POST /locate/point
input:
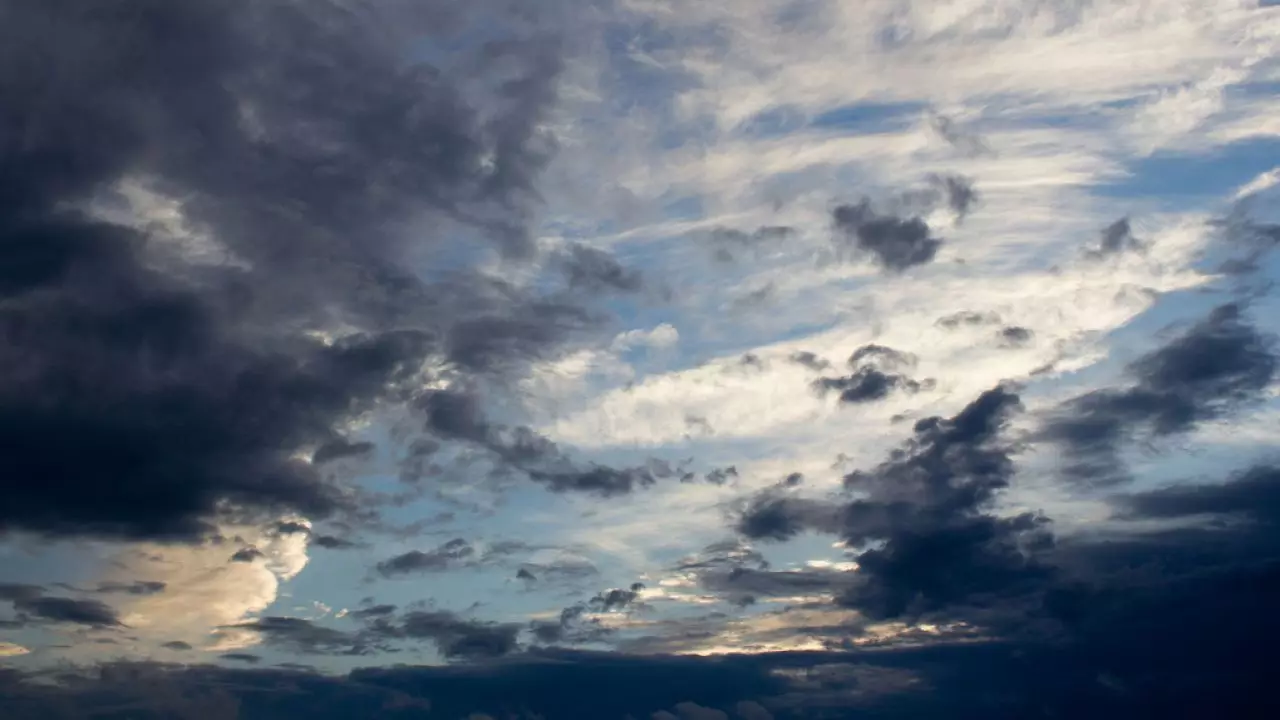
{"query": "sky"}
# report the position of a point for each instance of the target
(646, 359)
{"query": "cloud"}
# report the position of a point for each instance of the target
(1116, 238)
(373, 611)
(247, 555)
(921, 534)
(809, 360)
(275, 310)
(867, 384)
(32, 605)
(458, 638)
(139, 587)
(202, 590)
(299, 635)
(330, 542)
(593, 269)
(8, 649)
(457, 415)
(872, 378)
(1217, 364)
(1253, 495)
(967, 318)
(727, 243)
(340, 448)
(446, 557)
(896, 244)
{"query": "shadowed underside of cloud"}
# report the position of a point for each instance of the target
(157, 372)
(1211, 368)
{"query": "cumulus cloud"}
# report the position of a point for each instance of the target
(199, 589)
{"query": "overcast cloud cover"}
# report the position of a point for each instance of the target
(639, 359)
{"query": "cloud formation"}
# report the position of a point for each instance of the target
(894, 243)
(1208, 370)
(162, 370)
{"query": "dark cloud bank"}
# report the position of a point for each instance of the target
(1171, 614)
(154, 378)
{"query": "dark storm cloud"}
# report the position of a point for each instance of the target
(138, 587)
(1175, 621)
(589, 268)
(248, 658)
(1214, 366)
(1251, 495)
(448, 556)
(554, 685)
(970, 681)
(142, 390)
(176, 645)
(895, 243)
(920, 527)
